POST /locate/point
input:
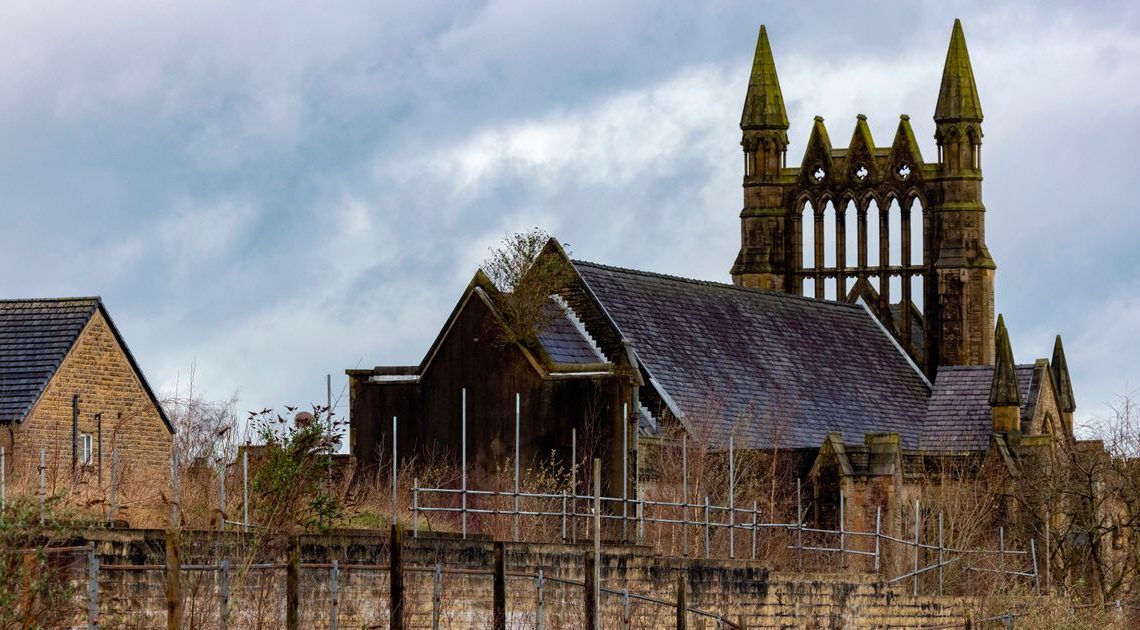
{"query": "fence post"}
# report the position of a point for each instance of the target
(755, 521)
(396, 579)
(463, 464)
(625, 609)
(799, 525)
(293, 585)
(3, 481)
(436, 595)
(708, 537)
(842, 528)
(731, 500)
(591, 594)
(245, 489)
(682, 620)
(92, 589)
(1033, 554)
(640, 515)
(878, 540)
(415, 507)
(1001, 552)
(916, 548)
(573, 485)
(518, 421)
(685, 494)
(941, 583)
(595, 594)
(173, 581)
(538, 601)
(499, 589)
(563, 516)
(334, 595)
(625, 472)
(224, 593)
(395, 474)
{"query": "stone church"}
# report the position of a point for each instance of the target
(858, 331)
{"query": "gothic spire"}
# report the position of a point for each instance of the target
(764, 103)
(1004, 389)
(1060, 369)
(958, 97)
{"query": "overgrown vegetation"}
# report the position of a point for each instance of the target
(36, 585)
(526, 279)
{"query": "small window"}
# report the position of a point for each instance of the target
(85, 450)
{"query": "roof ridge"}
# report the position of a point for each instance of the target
(715, 284)
(85, 298)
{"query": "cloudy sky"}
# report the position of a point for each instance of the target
(274, 193)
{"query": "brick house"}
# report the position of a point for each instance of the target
(69, 387)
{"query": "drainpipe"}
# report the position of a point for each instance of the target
(74, 434)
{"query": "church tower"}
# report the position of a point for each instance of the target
(764, 126)
(869, 189)
(964, 269)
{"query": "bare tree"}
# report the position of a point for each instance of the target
(526, 278)
(205, 430)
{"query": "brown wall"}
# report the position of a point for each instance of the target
(469, 357)
(97, 369)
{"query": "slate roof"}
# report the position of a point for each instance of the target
(35, 335)
(959, 417)
(786, 370)
(564, 339)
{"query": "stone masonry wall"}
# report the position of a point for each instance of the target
(738, 590)
(98, 370)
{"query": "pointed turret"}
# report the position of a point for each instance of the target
(764, 138)
(958, 98)
(1005, 393)
(764, 103)
(1060, 369)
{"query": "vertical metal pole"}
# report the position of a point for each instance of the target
(685, 494)
(92, 589)
(114, 486)
(43, 484)
(625, 609)
(395, 472)
(842, 527)
(640, 514)
(573, 485)
(799, 525)
(1033, 554)
(624, 472)
(596, 594)
(941, 584)
(538, 599)
(415, 507)
(224, 593)
(707, 535)
(436, 595)
(3, 481)
(755, 520)
(245, 489)
(878, 530)
(463, 449)
(916, 525)
(1001, 551)
(563, 516)
(518, 421)
(222, 496)
(731, 500)
(334, 595)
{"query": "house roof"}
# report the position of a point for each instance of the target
(959, 417)
(564, 337)
(769, 368)
(35, 336)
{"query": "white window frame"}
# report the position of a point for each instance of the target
(86, 449)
